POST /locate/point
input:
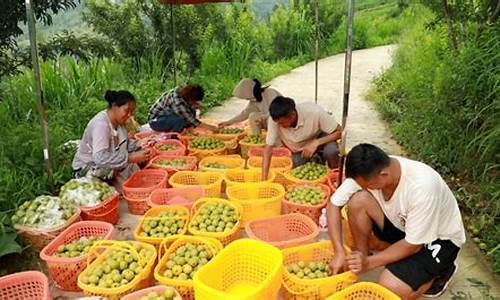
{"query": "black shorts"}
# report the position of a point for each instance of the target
(423, 266)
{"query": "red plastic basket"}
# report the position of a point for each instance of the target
(283, 231)
(312, 211)
(106, 211)
(64, 270)
(32, 285)
(159, 289)
(179, 150)
(185, 196)
(143, 182)
(277, 151)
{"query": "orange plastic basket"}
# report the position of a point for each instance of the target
(38, 238)
(364, 291)
(179, 149)
(158, 289)
(152, 214)
(64, 270)
(224, 237)
(245, 269)
(186, 137)
(301, 288)
(259, 200)
(244, 146)
(185, 287)
(238, 176)
(278, 165)
(332, 179)
(137, 206)
(106, 211)
(277, 152)
(185, 196)
(210, 181)
(191, 163)
(31, 285)
(231, 136)
(283, 231)
(201, 153)
(312, 211)
(291, 180)
(142, 182)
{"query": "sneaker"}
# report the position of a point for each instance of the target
(441, 282)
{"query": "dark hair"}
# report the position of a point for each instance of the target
(118, 98)
(257, 90)
(281, 107)
(192, 92)
(365, 160)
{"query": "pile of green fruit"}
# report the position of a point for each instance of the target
(86, 191)
(166, 224)
(76, 248)
(166, 147)
(229, 130)
(216, 165)
(217, 217)
(177, 162)
(312, 270)
(186, 260)
(206, 143)
(44, 212)
(168, 294)
(119, 267)
(191, 133)
(312, 195)
(255, 139)
(309, 171)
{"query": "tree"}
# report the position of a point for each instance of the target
(12, 14)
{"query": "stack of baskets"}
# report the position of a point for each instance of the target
(139, 186)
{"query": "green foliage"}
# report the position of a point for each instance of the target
(443, 106)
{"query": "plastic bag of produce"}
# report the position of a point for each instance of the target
(86, 191)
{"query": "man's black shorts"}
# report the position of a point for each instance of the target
(423, 266)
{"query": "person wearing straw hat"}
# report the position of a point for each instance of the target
(257, 110)
(406, 204)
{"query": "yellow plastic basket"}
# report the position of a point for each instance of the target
(245, 269)
(259, 200)
(300, 288)
(184, 287)
(364, 291)
(244, 146)
(237, 176)
(152, 213)
(225, 237)
(229, 161)
(142, 280)
(279, 164)
(210, 181)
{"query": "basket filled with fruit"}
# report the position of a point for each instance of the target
(309, 172)
(307, 199)
(169, 147)
(221, 163)
(252, 140)
(204, 146)
(184, 196)
(238, 176)
(216, 218)
(210, 181)
(182, 260)
(278, 164)
(162, 222)
(306, 274)
(229, 133)
(173, 163)
(66, 255)
(158, 292)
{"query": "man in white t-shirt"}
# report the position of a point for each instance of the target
(406, 204)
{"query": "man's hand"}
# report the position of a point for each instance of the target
(337, 264)
(309, 150)
(357, 262)
(139, 156)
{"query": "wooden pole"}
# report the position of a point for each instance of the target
(347, 85)
(172, 25)
(39, 93)
(316, 54)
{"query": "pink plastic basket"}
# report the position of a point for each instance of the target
(159, 289)
(32, 285)
(277, 151)
(143, 182)
(63, 270)
(185, 196)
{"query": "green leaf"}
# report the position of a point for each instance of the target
(8, 244)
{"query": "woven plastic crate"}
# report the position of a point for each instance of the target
(238, 176)
(364, 291)
(245, 269)
(64, 270)
(191, 163)
(31, 285)
(142, 280)
(283, 231)
(312, 211)
(158, 289)
(142, 182)
(259, 200)
(277, 152)
(185, 287)
(229, 161)
(185, 196)
(210, 181)
(245, 146)
(300, 288)
(179, 149)
(106, 211)
(224, 237)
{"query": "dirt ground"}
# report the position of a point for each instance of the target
(364, 125)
